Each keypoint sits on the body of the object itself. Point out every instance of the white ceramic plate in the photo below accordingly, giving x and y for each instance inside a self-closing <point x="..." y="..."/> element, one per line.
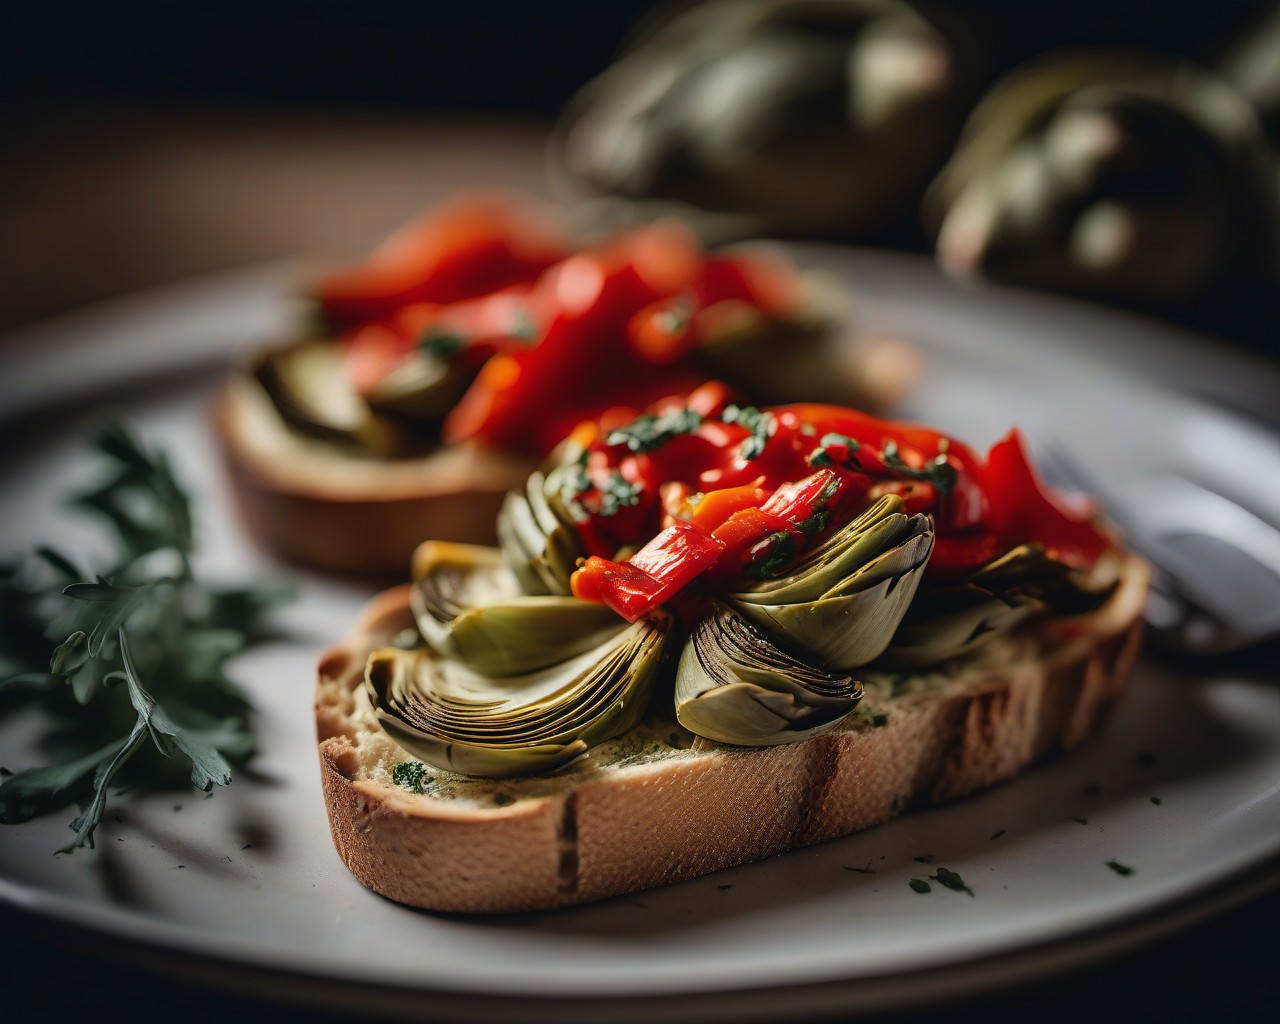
<point x="246" y="886"/>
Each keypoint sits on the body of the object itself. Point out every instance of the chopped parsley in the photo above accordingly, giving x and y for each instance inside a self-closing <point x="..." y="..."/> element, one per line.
<point x="1081" y="821"/>
<point x="951" y="880"/>
<point x="997" y="835"/>
<point x="821" y="456"/>
<point x="411" y="775"/>
<point x="617" y="492"/>
<point x="525" y="327"/>
<point x="925" y="859"/>
<point x="861" y="871"/>
<point x="650" y="431"/>
<point x="780" y="547"/>
<point x="920" y="885"/>
<point x="1157" y="801"/>
<point x="937" y="471"/>
<point x="442" y="344"/>
<point x="760" y="426"/>
<point x="1123" y="870"/>
<point x="875" y="719"/>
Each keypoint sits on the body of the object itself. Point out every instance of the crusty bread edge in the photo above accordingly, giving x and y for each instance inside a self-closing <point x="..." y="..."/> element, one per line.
<point x="362" y="516"/>
<point x="636" y="827"/>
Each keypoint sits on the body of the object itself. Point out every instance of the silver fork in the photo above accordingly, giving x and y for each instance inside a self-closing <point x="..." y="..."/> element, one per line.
<point x="1215" y="583"/>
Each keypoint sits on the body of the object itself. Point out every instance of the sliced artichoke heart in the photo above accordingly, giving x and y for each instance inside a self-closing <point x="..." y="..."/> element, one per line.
<point x="842" y="602"/>
<point x="734" y="686"/>
<point x="422" y="387"/>
<point x="469" y="607"/>
<point x="952" y="618"/>
<point x="538" y="535"/>
<point x="495" y="727"/>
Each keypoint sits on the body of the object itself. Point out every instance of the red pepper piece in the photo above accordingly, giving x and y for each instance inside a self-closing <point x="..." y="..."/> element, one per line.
<point x="469" y="247"/>
<point x="658" y="571"/>
<point x="1024" y="510"/>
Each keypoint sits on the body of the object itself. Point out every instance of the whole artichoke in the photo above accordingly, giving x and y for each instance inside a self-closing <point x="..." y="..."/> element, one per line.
<point x="1110" y="175"/>
<point x="822" y="117"/>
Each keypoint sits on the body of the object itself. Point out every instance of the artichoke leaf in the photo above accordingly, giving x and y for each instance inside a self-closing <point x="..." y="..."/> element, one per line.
<point x="461" y="720"/>
<point x="422" y="387"/>
<point x="469" y="607"/>
<point x="842" y="603"/>
<point x="734" y="686"/>
<point x="951" y="619"/>
<point x="310" y="389"/>
<point x="538" y="536"/>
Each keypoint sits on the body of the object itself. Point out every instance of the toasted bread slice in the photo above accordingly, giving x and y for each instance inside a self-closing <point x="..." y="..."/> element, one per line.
<point x="313" y="504"/>
<point x="641" y="811"/>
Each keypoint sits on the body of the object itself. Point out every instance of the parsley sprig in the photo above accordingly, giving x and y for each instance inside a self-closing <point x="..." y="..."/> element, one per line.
<point x="937" y="471"/>
<point x="651" y="431"/>
<point x="128" y="666"/>
<point x="760" y="426"/>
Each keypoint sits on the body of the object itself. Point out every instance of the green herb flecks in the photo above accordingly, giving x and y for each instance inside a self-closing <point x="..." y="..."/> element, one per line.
<point x="524" y="326"/>
<point x="652" y="431"/>
<point x="860" y="871"/>
<point x="411" y="775"/>
<point x="872" y="717"/>
<point x="617" y="492"/>
<point x="821" y="456"/>
<point x="127" y="666"/>
<point x="1123" y="870"/>
<point x="760" y="426"/>
<point x="777" y="550"/>
<point x="442" y="344"/>
<point x="920" y="885"/>
<point x="951" y="880"/>
<point x="937" y="471"/>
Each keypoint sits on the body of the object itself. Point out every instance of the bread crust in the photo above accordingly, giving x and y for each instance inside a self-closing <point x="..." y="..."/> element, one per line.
<point x="629" y="828"/>
<point x="327" y="510"/>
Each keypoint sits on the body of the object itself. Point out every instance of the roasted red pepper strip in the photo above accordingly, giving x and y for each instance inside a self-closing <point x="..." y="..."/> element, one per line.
<point x="655" y="574"/>
<point x="1023" y="510"/>
<point x="582" y="363"/>
<point x="470" y="247"/>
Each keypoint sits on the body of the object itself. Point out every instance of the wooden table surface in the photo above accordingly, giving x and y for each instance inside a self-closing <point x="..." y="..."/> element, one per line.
<point x="105" y="199"/>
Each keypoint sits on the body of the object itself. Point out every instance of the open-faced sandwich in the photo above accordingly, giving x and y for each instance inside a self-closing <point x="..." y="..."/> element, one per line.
<point x="714" y="632"/>
<point x="431" y="380"/>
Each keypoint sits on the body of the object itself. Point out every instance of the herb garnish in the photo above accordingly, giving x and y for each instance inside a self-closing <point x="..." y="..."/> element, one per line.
<point x="944" y="877"/>
<point x="861" y="871"/>
<point x="1123" y="870"/>
<point x="937" y="471"/>
<point x="760" y="426"/>
<point x="411" y="775"/>
<point x="128" y="667"/>
<point x="650" y="431"/>
<point x="820" y="456"/>
<point x="618" y="492"/>
<point x="1081" y="821"/>
<point x="951" y="880"/>
<point x="1157" y="801"/>
<point x="781" y="546"/>
<point x="997" y="835"/>
<point x="875" y="719"/>
<point x="442" y="344"/>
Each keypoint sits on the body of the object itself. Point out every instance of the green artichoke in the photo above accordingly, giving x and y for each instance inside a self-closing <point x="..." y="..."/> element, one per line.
<point x="469" y="607"/>
<point x="733" y="685"/>
<point x="953" y="618"/>
<point x="841" y="602"/>
<point x="774" y="116"/>
<point x="1110" y="175"/>
<point x="464" y="721"/>
<point x="538" y="534"/>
